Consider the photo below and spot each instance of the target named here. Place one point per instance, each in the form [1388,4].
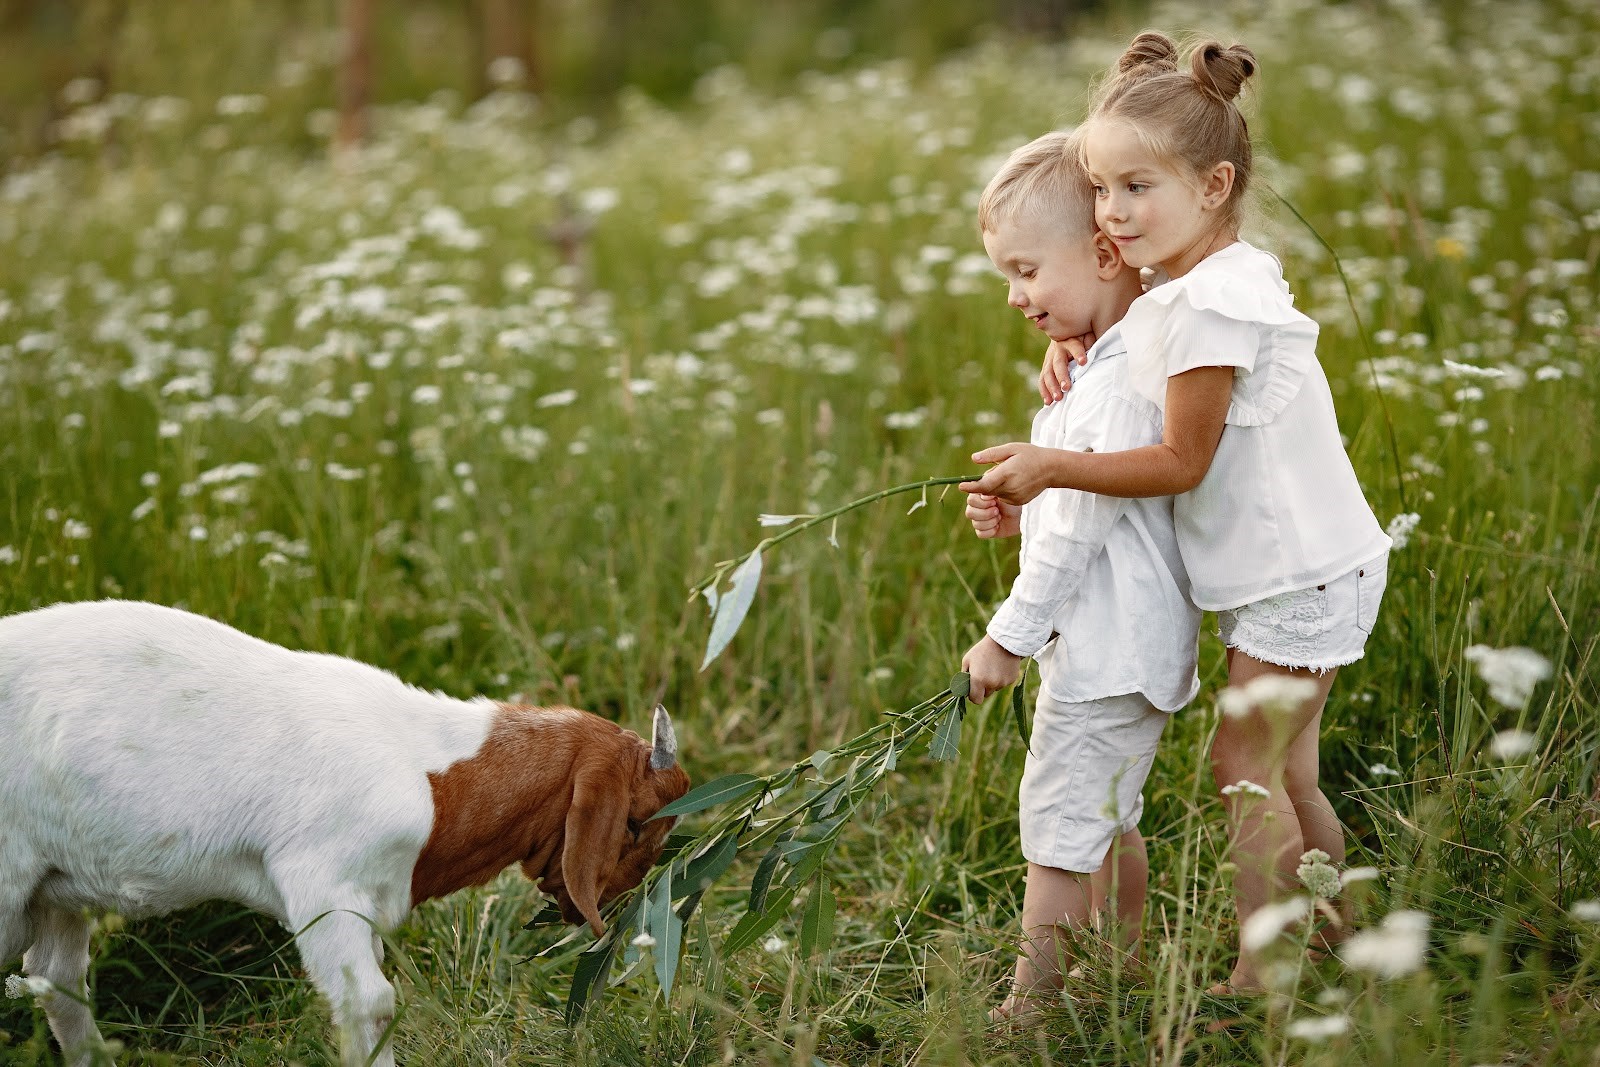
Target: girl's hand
[1055,377]
[991,669]
[993,518]
[1021,472]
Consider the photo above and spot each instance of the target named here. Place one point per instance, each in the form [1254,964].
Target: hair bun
[1221,71]
[1150,53]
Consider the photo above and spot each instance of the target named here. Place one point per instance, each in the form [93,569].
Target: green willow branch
[794,844]
[817,520]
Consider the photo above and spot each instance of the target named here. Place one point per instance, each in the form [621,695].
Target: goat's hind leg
[60,953]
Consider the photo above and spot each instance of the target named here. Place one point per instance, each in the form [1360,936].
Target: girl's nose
[1017,298]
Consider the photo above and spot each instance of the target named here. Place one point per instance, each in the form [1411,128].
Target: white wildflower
[1587,911]
[1510,744]
[1400,527]
[779,520]
[905,420]
[73,530]
[1245,787]
[1318,1027]
[1383,770]
[426,394]
[644,940]
[1358,874]
[1269,692]
[1318,874]
[1510,673]
[340,473]
[558,399]
[1469,370]
[1393,948]
[8,554]
[18,987]
[774,943]
[1267,922]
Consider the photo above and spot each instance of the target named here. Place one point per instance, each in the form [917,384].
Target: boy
[1102,598]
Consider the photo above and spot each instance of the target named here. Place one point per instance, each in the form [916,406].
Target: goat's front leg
[339,947]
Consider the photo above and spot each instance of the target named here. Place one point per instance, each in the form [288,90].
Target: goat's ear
[602,790]
[663,741]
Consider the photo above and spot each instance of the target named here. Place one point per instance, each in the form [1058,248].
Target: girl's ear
[1218,186]
[1107,257]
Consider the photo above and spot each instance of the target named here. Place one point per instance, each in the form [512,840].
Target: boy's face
[1050,272]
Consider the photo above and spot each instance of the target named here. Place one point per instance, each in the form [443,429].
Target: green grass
[772,311]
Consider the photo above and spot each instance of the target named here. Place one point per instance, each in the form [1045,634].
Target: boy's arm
[1197,406]
[1072,530]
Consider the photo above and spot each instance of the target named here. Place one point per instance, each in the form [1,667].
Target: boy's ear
[1107,257]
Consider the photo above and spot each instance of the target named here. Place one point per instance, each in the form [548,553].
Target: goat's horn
[663,742]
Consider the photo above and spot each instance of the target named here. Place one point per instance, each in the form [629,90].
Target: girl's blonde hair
[1186,118]
[1044,177]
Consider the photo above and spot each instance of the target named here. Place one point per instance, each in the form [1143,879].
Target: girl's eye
[1137,187]
[1027,274]
[1100,190]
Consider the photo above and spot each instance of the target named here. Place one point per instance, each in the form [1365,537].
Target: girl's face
[1156,217]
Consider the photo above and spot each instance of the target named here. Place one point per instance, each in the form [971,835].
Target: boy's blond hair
[1045,179]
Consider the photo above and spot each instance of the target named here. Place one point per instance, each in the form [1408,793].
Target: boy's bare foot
[1018,1011]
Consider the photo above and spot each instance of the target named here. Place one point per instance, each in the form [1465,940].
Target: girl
[1271,523]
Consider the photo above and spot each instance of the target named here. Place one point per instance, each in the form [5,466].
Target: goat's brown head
[610,841]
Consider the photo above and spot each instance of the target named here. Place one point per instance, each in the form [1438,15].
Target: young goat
[151,759]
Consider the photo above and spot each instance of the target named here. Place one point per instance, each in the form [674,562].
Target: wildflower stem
[1361,332]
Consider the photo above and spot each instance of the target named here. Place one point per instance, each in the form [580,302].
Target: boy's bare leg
[1056,902]
[1265,832]
[1123,879]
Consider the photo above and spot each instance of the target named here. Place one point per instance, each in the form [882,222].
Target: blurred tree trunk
[355,74]
[505,52]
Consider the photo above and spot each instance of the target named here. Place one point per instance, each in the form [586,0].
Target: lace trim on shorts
[1288,629]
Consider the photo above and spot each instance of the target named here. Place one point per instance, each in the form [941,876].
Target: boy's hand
[991,669]
[1020,472]
[991,517]
[1055,377]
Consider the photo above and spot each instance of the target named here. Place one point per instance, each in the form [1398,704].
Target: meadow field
[483,405]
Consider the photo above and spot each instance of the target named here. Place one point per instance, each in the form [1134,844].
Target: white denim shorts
[1319,628]
[1082,785]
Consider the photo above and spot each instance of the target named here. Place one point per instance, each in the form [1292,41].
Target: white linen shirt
[1279,508]
[1103,573]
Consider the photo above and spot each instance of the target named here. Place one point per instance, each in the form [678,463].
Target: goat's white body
[151,759]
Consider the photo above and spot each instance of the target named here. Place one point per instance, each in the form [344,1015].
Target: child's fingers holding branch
[991,517]
[1020,473]
[991,669]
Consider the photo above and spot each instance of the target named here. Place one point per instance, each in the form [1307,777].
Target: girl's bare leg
[1266,833]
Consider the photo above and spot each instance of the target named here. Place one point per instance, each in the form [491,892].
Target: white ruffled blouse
[1280,507]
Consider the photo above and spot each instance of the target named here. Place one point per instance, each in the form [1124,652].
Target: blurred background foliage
[574,54]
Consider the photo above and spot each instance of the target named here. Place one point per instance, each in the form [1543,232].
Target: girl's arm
[1197,406]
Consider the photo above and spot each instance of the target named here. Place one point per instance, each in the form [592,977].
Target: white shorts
[1082,785]
[1320,628]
